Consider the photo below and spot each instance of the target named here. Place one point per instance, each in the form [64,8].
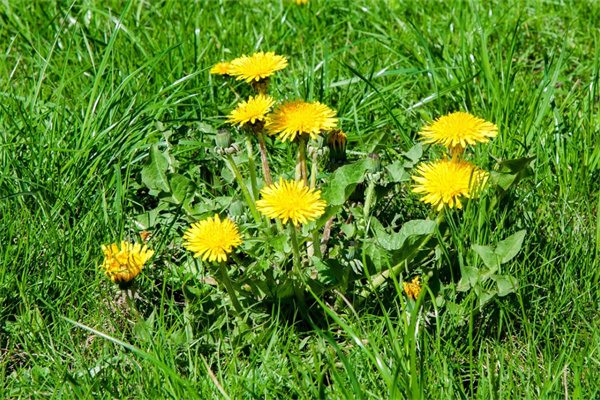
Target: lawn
[113,128]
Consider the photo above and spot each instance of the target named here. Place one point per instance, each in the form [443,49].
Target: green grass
[81,102]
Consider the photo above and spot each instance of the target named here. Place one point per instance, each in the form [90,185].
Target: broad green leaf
[153,173]
[411,234]
[505,251]
[510,247]
[397,172]
[343,181]
[415,153]
[469,278]
[503,179]
[518,164]
[488,256]
[506,284]
[485,296]
[181,188]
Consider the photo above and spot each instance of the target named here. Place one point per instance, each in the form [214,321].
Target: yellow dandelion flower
[413,289]
[448,182]
[296,117]
[291,200]
[458,129]
[301,2]
[124,264]
[251,111]
[222,68]
[212,238]
[257,66]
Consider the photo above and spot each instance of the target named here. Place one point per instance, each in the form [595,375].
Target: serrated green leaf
[154,172]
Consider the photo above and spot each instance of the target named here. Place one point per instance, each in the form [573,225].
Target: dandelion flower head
[257,66]
[212,238]
[458,129]
[251,111]
[123,264]
[222,68]
[291,200]
[413,289]
[448,182]
[293,118]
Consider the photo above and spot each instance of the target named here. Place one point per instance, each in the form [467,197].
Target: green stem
[262,145]
[244,189]
[369,198]
[316,244]
[314,170]
[252,166]
[229,287]
[297,266]
[301,161]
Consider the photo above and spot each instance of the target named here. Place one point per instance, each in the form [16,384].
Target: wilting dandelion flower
[251,111]
[413,289]
[448,182]
[291,200]
[222,68]
[212,238]
[458,129]
[257,66]
[123,264]
[293,118]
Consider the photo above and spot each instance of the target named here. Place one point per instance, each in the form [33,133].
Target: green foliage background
[87,87]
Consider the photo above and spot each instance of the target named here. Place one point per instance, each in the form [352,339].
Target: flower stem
[301,161]
[229,287]
[316,244]
[297,271]
[244,189]
[263,157]
[252,167]
[314,170]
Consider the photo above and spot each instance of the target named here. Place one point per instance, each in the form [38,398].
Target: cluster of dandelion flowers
[212,238]
[413,289]
[447,182]
[251,111]
[257,66]
[294,118]
[222,68]
[458,129]
[123,264]
[291,201]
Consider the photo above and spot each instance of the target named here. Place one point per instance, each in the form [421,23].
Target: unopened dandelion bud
[336,141]
[223,139]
